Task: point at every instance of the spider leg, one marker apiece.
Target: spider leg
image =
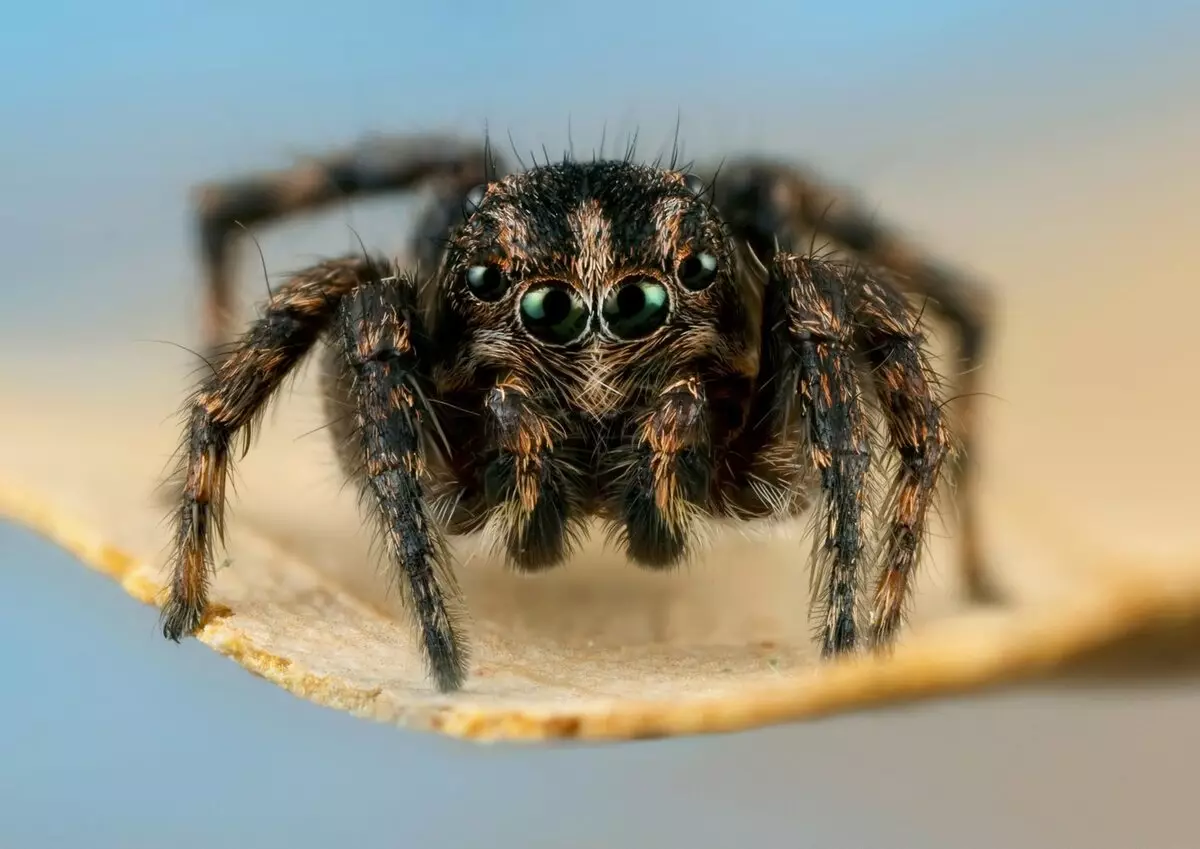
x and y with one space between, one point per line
665 477
531 484
770 203
375 166
904 384
228 404
380 336
808 313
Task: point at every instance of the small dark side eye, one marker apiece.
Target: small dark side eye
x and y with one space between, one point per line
698 271
474 198
486 282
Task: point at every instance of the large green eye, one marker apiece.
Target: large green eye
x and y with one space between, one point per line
554 312
636 308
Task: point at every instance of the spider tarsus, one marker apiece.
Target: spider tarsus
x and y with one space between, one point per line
448 666
979 587
885 624
180 618
841 638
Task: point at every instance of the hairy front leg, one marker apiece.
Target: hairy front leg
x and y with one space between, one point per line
227 404
807 303
380 337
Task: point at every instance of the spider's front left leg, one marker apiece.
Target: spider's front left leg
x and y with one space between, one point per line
807 311
385 352
226 405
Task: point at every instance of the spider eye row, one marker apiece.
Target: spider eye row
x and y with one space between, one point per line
489 283
555 313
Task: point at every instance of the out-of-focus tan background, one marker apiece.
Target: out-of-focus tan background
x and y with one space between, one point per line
1050 148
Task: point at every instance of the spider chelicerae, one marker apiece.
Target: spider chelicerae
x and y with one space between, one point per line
647 345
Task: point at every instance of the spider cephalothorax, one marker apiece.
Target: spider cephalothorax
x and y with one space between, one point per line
596 340
597 281
571 299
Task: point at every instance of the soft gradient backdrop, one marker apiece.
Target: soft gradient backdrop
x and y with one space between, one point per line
948 115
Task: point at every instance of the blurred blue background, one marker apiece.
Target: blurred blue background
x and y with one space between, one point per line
110 111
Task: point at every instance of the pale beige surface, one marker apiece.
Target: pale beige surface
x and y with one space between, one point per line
1090 470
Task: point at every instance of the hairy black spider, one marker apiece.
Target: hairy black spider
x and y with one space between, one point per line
640 344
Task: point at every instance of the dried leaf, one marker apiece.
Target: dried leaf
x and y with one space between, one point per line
594 650
1090 495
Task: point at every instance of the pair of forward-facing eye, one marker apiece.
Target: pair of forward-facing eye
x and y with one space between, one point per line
554 312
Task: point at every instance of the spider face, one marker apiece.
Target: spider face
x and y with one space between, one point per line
594 343
603 279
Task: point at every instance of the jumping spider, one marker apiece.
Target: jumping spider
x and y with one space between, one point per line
640 344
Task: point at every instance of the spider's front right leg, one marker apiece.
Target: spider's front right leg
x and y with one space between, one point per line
227 404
